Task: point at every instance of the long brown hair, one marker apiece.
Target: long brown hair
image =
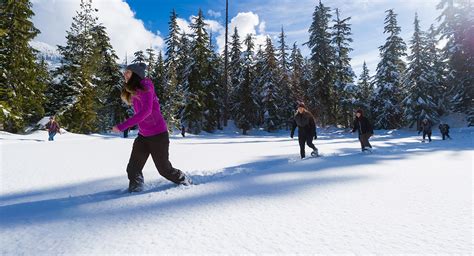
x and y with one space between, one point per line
130 88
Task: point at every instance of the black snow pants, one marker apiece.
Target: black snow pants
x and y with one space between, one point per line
305 139
157 146
427 133
364 140
446 135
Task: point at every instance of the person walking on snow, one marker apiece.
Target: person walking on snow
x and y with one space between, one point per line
444 129
153 137
304 120
425 127
364 128
53 127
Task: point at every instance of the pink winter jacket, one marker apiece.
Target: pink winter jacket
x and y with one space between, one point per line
147 112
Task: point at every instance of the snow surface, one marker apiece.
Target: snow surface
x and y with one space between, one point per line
254 195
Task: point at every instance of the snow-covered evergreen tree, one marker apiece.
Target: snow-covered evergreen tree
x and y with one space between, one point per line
258 85
296 74
438 68
211 91
22 88
389 92
76 75
198 79
364 92
139 57
245 108
178 97
344 88
108 82
457 27
418 80
150 60
173 100
235 71
271 94
158 77
321 92
286 105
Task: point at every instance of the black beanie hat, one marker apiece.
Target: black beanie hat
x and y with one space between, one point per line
138 68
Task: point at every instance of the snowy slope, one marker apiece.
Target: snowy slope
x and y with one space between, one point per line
254 195
48 52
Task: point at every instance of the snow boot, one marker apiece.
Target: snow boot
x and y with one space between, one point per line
315 153
185 180
136 187
137 184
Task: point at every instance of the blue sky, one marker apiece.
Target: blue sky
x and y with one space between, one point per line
138 24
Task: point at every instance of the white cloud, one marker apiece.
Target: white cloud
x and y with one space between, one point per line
214 14
127 33
246 23
214 26
184 25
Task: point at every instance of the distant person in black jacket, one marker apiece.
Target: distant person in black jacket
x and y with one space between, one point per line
363 126
304 120
426 128
444 129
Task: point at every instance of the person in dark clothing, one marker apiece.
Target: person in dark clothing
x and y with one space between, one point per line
153 137
304 120
364 128
183 131
426 128
444 129
53 127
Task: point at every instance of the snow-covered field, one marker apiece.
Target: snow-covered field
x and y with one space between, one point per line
254 195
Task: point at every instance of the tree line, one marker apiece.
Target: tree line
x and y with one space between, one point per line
265 82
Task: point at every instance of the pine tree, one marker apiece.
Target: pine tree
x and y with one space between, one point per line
158 77
258 85
235 71
139 57
178 97
321 93
457 27
172 101
286 104
296 75
150 61
438 72
364 93
79 64
22 91
419 104
246 106
211 89
108 80
344 89
271 95
388 92
198 77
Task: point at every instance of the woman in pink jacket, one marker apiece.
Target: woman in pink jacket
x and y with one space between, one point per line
153 137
